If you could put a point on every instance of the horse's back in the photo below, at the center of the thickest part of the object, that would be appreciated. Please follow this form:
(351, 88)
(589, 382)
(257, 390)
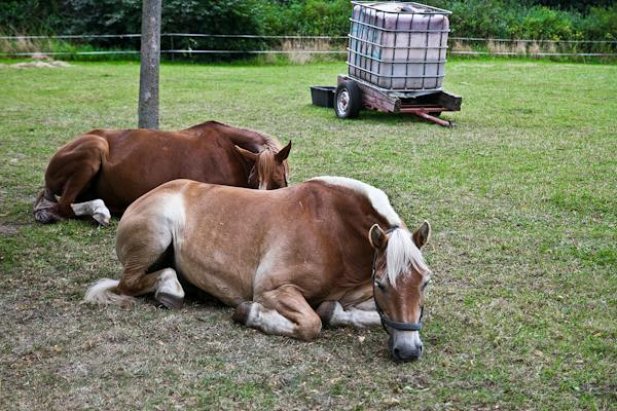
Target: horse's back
(140, 160)
(248, 139)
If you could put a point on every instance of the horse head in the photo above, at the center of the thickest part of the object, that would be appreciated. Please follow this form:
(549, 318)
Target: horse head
(399, 278)
(270, 169)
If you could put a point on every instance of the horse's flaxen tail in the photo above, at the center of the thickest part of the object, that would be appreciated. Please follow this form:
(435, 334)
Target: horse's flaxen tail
(103, 292)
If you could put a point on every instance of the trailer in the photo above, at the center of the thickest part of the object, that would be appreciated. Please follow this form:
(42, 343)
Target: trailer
(396, 63)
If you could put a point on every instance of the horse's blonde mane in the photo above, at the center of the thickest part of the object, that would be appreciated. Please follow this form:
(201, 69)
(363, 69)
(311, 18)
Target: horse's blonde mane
(378, 199)
(401, 251)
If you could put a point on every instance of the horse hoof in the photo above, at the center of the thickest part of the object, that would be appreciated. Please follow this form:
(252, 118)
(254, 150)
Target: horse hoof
(170, 301)
(44, 216)
(102, 219)
(241, 314)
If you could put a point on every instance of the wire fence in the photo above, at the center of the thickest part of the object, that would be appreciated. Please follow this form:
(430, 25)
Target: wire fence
(195, 44)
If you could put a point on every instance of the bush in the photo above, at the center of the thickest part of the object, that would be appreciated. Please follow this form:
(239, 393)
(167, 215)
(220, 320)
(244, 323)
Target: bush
(601, 24)
(542, 23)
(478, 18)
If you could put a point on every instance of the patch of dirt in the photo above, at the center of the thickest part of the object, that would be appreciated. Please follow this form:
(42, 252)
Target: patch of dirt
(38, 64)
(42, 64)
(8, 229)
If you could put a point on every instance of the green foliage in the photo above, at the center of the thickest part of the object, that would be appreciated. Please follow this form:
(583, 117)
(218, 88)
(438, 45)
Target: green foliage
(212, 17)
(104, 16)
(529, 20)
(543, 23)
(580, 5)
(601, 24)
(533, 19)
(478, 18)
(30, 16)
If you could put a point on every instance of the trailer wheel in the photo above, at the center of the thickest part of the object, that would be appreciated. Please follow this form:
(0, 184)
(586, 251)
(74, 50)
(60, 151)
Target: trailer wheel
(347, 99)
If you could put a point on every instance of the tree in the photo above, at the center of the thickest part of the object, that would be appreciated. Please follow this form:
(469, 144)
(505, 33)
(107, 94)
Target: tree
(150, 61)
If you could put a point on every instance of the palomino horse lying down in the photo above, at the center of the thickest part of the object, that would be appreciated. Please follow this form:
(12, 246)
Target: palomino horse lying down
(330, 250)
(105, 170)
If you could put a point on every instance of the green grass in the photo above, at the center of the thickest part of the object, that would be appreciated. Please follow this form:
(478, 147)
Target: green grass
(521, 195)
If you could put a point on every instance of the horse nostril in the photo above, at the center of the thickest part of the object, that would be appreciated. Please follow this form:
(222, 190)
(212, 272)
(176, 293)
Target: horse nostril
(406, 354)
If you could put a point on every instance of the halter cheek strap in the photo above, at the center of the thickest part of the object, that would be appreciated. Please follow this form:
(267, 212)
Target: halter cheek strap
(385, 321)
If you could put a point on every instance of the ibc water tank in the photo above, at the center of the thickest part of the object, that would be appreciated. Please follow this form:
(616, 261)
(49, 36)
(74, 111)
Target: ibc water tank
(398, 46)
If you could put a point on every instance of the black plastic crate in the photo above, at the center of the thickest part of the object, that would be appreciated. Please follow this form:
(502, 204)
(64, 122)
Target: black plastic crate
(323, 96)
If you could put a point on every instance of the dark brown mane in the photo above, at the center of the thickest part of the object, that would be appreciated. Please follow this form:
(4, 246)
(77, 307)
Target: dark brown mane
(247, 139)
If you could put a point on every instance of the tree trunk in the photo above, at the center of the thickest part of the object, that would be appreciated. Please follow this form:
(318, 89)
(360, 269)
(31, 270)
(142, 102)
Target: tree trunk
(150, 59)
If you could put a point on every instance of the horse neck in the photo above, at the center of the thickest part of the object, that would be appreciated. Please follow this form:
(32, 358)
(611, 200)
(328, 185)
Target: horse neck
(245, 138)
(252, 140)
(356, 221)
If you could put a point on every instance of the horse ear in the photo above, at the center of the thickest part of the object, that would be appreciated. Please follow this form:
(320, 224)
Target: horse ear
(377, 237)
(422, 234)
(249, 155)
(283, 153)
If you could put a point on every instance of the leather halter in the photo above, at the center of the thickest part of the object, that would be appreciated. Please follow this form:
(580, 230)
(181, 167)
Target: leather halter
(385, 321)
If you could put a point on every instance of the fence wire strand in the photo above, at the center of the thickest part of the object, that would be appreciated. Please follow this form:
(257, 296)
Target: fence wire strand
(326, 45)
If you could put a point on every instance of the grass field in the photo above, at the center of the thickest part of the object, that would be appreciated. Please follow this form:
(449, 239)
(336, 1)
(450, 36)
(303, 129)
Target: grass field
(521, 194)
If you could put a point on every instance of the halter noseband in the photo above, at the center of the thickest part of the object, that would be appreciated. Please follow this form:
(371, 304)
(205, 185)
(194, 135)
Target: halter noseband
(385, 321)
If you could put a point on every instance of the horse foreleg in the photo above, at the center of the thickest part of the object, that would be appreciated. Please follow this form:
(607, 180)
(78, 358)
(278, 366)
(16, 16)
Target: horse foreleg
(283, 311)
(360, 316)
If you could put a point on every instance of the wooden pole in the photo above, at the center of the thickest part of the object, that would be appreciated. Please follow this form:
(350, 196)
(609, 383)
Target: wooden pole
(150, 59)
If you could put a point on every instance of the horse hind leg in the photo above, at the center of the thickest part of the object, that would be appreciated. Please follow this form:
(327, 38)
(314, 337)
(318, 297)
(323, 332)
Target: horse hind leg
(164, 283)
(169, 291)
(105, 291)
(143, 244)
(69, 173)
(95, 208)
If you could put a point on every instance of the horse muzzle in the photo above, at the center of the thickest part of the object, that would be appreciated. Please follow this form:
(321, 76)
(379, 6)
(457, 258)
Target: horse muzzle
(405, 346)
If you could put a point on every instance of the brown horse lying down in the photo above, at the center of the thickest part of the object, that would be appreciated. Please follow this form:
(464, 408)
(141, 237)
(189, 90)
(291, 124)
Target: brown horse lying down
(105, 170)
(330, 250)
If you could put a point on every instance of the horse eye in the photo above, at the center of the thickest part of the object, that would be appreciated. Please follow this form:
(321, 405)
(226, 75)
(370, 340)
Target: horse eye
(380, 285)
(425, 284)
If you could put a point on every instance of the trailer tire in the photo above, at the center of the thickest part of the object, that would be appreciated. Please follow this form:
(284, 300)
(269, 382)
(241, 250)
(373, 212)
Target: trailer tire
(347, 99)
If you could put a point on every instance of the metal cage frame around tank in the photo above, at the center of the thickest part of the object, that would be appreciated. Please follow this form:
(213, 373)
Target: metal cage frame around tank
(365, 51)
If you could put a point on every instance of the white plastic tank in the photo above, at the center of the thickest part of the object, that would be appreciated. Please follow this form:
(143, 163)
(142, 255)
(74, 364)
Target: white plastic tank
(398, 46)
